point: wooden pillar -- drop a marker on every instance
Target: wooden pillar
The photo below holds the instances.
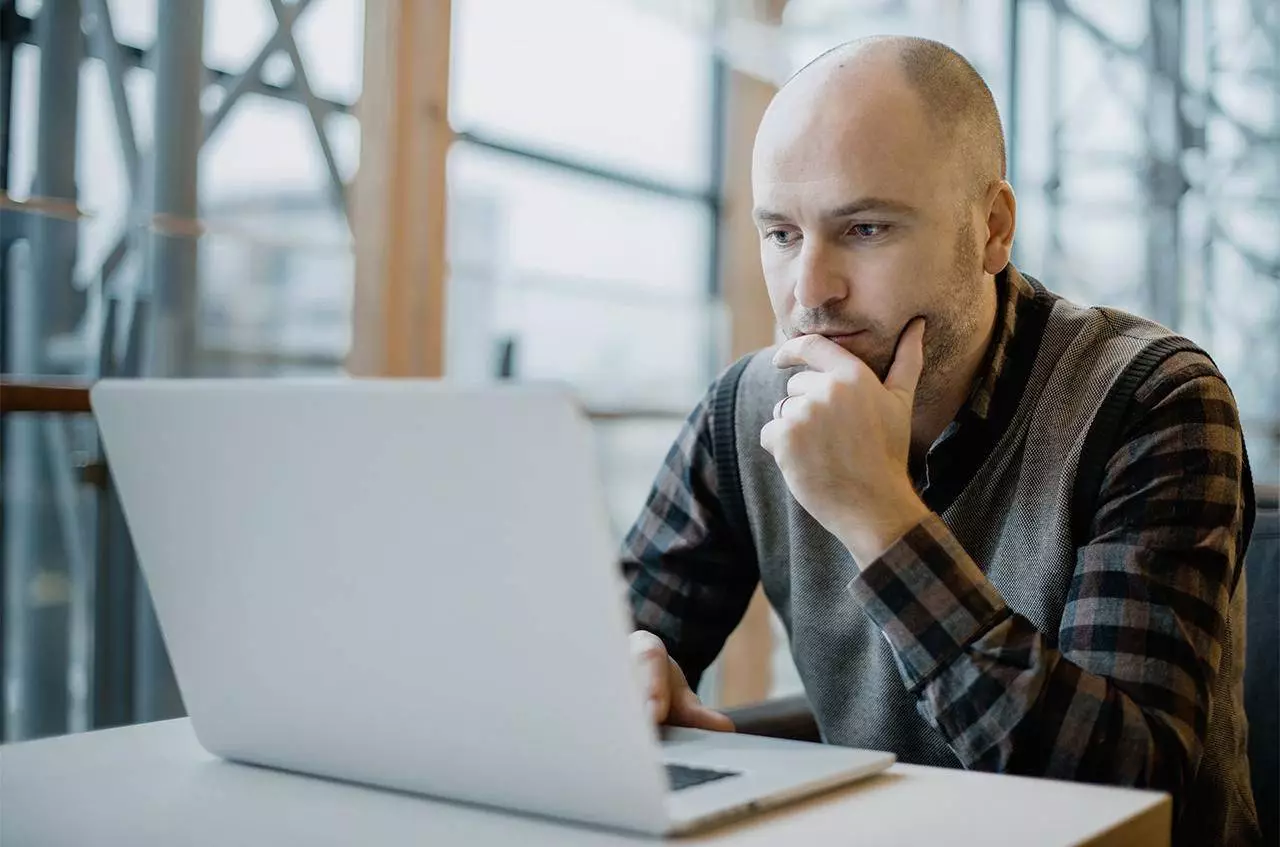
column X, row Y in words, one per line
column 398, row 203
column 746, row 663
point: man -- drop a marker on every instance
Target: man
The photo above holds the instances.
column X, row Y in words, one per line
column 1004, row 532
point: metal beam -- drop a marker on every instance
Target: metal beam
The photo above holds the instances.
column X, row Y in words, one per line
column 172, row 284
column 8, row 21
column 103, row 38
column 75, row 534
column 58, row 304
column 1012, row 113
column 42, row 304
column 715, row 346
column 1163, row 180
column 171, row 260
column 1053, row 185
column 8, row 13
column 285, row 17
column 136, row 57
column 576, row 166
column 251, row 78
column 115, row 562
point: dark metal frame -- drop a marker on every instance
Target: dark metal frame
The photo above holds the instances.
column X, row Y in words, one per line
column 8, row 22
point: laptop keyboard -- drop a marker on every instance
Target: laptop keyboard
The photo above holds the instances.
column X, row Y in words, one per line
column 682, row 776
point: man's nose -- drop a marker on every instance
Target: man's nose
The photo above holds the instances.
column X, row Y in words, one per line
column 819, row 281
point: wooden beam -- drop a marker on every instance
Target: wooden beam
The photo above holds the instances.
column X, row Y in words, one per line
column 752, row 322
column 66, row 396
column 746, row 663
column 398, row 215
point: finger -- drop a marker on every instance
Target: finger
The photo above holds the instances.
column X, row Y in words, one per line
column 807, row 382
column 789, row 407
column 651, row 653
column 768, row 436
column 908, row 362
column 816, row 351
column 687, row 710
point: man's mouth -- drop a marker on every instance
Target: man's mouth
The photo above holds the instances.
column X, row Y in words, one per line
column 839, row 337
column 835, row 333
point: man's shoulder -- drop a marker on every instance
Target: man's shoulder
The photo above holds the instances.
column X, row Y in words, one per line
column 1167, row 361
column 1119, row 342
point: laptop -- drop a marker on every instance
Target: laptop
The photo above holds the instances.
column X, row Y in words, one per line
column 413, row 585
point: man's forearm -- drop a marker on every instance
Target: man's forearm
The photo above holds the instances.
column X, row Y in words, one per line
column 878, row 524
column 1001, row 694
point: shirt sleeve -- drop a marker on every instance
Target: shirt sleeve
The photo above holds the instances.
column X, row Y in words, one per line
column 688, row 583
column 1120, row 694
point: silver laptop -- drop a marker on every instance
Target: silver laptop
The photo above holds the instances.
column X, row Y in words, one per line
column 412, row 585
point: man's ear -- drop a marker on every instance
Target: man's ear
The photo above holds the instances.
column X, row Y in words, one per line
column 1002, row 220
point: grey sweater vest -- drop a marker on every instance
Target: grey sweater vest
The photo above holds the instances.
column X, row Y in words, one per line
column 1014, row 517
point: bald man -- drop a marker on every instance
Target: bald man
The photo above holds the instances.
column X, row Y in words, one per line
column 1003, row 531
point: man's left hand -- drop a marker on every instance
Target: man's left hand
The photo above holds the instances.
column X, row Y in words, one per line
column 842, row 439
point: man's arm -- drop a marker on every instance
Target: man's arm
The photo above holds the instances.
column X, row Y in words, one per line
column 1122, row 694
column 687, row 584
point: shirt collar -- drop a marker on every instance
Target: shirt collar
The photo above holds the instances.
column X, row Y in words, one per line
column 1012, row 291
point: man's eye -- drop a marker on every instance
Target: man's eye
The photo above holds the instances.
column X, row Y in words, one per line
column 868, row 230
column 780, row 237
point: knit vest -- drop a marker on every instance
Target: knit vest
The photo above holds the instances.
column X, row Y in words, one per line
column 1020, row 517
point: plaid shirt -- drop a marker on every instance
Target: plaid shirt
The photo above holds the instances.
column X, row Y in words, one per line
column 1119, row 694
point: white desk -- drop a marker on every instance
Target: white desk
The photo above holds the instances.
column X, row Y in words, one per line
column 154, row 785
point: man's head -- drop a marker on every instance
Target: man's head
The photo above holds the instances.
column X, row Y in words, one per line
column 878, row 176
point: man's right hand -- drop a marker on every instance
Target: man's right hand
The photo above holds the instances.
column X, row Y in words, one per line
column 671, row 700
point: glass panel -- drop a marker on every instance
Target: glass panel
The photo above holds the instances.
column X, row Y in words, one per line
column 977, row 28
column 344, row 138
column 22, row 129
column 275, row 291
column 134, row 21
column 276, row 266
column 266, row 147
column 607, row 82
column 599, row 284
column 330, row 38
column 102, row 181
column 235, row 31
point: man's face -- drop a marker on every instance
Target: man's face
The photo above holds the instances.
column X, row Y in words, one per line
column 864, row 226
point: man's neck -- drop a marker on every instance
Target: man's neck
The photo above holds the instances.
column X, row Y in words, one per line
column 935, row 412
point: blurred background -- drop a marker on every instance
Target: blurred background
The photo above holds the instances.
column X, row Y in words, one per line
column 497, row 189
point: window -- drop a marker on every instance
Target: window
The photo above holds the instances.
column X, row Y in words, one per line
column 581, row 224
column 609, row 84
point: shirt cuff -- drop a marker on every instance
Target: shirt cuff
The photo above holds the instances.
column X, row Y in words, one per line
column 929, row 598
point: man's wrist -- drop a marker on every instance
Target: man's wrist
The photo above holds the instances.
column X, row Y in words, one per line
column 870, row 531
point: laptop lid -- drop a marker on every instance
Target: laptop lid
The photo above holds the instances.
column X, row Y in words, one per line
column 393, row 582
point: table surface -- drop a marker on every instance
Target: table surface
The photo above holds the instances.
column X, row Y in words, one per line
column 154, row 785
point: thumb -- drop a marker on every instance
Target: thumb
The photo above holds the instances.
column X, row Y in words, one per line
column 908, row 362
column 654, row 664
column 687, row 710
